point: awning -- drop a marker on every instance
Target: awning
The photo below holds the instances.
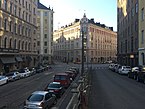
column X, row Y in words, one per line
column 19, row 59
column 8, row 60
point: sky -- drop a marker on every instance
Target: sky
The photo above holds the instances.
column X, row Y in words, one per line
column 66, row 11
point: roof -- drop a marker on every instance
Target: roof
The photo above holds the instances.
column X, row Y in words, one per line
column 41, row 6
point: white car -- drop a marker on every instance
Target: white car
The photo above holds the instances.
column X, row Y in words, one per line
column 3, row 80
column 24, row 72
column 124, row 70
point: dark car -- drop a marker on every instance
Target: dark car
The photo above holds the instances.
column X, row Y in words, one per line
column 40, row 100
column 141, row 75
column 55, row 88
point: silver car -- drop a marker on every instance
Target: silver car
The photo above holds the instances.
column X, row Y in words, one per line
column 13, row 75
column 40, row 100
column 3, row 80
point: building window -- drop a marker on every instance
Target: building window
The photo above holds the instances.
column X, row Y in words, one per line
column 10, row 26
column 45, row 43
column 10, row 46
column 5, row 42
column 11, row 7
column 5, row 4
column 45, row 35
column 19, row 43
column 15, row 44
column 38, row 43
column 143, row 61
column 20, row 12
column 45, row 50
column 142, row 14
column 15, row 10
column 142, row 36
column 5, row 24
column 45, row 13
column 136, row 7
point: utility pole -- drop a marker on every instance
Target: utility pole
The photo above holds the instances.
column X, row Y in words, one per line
column 82, row 53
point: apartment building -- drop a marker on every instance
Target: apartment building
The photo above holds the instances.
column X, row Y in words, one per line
column 141, row 32
column 128, row 32
column 44, row 33
column 17, row 34
column 100, row 42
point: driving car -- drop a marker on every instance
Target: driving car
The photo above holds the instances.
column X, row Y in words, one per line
column 13, row 75
column 40, row 100
column 3, row 80
column 55, row 88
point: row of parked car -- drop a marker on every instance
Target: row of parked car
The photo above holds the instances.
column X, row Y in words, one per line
column 136, row 73
column 21, row 73
column 55, row 89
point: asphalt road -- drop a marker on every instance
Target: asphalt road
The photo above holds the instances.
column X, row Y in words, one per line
column 13, row 94
column 110, row 90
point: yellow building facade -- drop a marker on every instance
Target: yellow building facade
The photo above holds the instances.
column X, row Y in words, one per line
column 101, row 43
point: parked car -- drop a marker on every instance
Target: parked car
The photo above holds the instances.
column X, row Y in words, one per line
column 33, row 71
column 13, row 75
column 3, row 80
column 71, row 74
column 40, row 100
column 117, row 68
column 55, row 88
column 124, row 70
column 24, row 72
column 140, row 75
column 133, row 73
column 75, row 68
column 63, row 78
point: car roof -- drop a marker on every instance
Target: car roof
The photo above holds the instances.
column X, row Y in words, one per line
column 40, row 92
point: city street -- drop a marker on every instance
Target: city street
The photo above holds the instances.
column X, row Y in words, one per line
column 13, row 94
column 110, row 90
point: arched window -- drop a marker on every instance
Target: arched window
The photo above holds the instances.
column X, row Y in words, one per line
column 19, row 44
column 10, row 46
column 143, row 61
column 23, row 45
column 5, row 42
column 5, row 24
column 15, row 44
column 26, row 46
column 29, row 47
column 10, row 26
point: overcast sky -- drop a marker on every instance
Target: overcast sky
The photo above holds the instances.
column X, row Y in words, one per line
column 65, row 11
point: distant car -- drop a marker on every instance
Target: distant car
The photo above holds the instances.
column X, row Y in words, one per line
column 124, row 70
column 117, row 68
column 3, row 80
column 13, row 75
column 40, row 100
column 33, row 71
column 55, row 88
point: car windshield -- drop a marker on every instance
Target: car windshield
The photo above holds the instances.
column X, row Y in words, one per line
column 35, row 97
column 54, row 85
